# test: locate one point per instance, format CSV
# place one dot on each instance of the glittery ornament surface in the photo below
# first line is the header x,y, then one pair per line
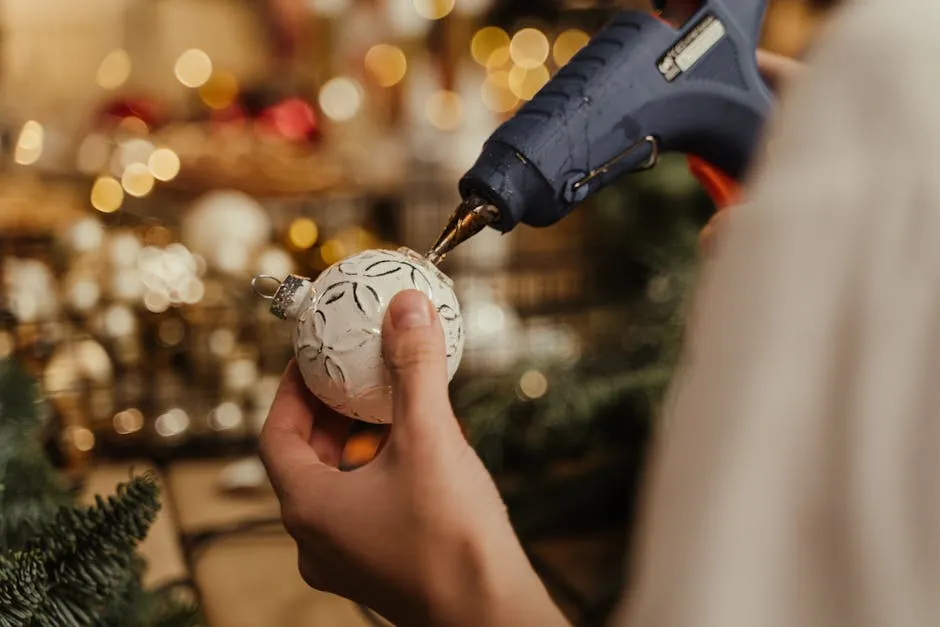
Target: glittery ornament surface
x,y
338,334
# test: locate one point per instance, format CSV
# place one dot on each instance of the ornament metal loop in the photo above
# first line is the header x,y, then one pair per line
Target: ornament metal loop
x,y
265,277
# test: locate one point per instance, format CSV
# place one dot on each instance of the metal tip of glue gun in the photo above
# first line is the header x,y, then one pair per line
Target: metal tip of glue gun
x,y
472,216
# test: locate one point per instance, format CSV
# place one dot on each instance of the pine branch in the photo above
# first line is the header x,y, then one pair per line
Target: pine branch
x,y
17,398
22,587
88,553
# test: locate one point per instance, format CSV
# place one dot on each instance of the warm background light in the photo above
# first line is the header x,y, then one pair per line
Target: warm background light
x,y
333,251
164,164
488,42
434,9
303,233
114,70
445,110
193,68
340,99
93,154
526,83
137,180
387,64
29,144
107,195
568,44
219,91
533,385
529,48
497,96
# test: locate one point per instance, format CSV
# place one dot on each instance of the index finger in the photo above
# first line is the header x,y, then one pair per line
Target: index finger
x,y
284,443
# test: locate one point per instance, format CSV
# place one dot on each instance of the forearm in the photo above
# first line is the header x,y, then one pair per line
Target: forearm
x,y
504,591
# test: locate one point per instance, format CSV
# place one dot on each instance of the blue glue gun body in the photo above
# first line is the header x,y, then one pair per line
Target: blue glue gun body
x,y
641,87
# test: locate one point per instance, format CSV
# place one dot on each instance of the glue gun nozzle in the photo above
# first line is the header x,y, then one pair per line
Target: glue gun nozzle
x,y
472,216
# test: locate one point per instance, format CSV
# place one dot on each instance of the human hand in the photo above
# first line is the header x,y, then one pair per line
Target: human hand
x,y
420,534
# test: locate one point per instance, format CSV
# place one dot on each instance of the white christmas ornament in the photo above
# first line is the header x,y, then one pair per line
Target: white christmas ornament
x,y
338,326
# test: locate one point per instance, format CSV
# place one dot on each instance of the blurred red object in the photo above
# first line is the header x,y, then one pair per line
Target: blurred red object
x,y
293,119
144,109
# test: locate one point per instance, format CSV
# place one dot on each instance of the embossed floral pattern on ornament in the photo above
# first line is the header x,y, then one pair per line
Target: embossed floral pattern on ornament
x,y
351,291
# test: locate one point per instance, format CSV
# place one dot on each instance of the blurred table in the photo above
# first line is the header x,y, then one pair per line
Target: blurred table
x,y
251,578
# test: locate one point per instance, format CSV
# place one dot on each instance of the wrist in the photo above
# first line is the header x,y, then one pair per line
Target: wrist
x,y
495,587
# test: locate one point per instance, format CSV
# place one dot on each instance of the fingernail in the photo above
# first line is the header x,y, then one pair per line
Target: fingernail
x,y
410,310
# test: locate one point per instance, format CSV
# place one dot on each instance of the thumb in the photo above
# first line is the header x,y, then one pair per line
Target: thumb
x,y
413,344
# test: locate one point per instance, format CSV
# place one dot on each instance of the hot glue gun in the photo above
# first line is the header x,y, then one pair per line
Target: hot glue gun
x,y
640,88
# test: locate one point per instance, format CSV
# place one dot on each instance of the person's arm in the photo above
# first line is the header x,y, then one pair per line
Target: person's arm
x,y
794,477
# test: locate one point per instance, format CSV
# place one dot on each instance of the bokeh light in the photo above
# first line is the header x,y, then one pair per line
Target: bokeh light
x,y
81,438
226,416
497,96
133,151
114,70
137,180
193,68
387,64
329,8
29,144
164,164
171,424
533,385
526,83
93,154
219,91
434,9
303,233
529,48
333,251
340,99
487,42
128,421
107,195
445,110
568,44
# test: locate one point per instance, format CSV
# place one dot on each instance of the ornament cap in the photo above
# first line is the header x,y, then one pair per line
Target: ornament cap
x,y
285,299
